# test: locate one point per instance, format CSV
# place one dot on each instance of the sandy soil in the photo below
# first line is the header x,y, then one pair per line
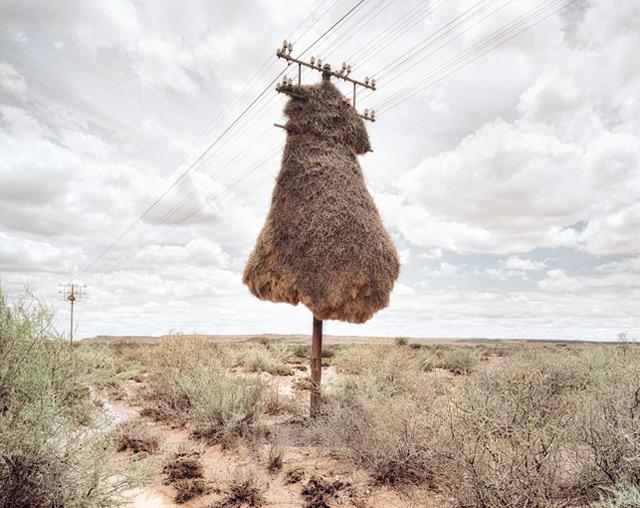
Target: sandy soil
x,y
218,463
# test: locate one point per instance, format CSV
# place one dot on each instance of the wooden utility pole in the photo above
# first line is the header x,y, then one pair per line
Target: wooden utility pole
x,y
286,87
71,293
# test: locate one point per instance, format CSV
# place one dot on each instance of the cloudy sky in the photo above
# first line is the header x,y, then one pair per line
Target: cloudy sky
x,y
505,163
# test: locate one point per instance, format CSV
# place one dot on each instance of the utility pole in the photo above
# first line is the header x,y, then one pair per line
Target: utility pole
x,y
286,87
71,293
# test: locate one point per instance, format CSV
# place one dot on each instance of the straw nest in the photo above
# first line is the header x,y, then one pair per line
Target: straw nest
x,y
323,243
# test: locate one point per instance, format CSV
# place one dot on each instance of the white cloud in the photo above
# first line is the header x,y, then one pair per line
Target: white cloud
x,y
558,280
517,263
99,103
11,81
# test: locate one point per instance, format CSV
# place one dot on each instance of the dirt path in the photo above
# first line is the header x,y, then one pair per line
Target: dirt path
x,y
279,489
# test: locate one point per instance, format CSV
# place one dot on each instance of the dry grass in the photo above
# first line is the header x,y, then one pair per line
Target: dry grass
x,y
190,381
318,491
542,428
135,435
243,487
261,358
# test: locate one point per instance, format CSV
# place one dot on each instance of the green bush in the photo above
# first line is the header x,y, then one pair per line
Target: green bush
x,y
189,380
459,360
52,453
263,359
382,421
401,341
620,496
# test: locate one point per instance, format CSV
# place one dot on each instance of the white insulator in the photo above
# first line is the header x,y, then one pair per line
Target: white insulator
x,y
366,112
290,47
284,44
366,80
344,65
312,60
373,82
319,62
373,114
348,69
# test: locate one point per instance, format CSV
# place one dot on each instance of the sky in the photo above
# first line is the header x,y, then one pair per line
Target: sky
x,y
138,155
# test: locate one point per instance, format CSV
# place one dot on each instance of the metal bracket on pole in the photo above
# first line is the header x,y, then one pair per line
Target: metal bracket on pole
x,y
317,65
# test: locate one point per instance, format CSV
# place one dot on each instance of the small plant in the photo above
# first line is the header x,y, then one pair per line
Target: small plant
x,y
276,454
293,474
264,342
401,341
262,359
459,360
243,488
620,496
134,435
190,488
183,465
318,491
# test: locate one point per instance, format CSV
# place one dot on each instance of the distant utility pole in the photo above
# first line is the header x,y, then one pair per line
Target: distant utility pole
x,y
72,293
286,87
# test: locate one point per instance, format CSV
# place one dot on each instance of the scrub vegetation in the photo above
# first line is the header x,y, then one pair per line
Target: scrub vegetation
x,y
457,424
53,445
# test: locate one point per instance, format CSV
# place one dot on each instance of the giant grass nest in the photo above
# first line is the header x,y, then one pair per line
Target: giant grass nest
x,y
323,242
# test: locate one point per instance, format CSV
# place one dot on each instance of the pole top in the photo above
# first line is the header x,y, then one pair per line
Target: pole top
x,y
326,72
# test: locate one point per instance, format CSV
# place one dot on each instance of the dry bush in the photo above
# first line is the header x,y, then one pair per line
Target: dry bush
x,y
170,363
458,360
274,403
293,474
134,435
183,465
243,487
106,369
608,425
318,491
264,359
222,406
53,451
620,496
505,434
188,489
189,380
354,360
382,421
401,341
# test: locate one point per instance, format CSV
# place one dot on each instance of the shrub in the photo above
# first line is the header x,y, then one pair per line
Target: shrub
x,y
608,425
620,496
505,434
188,489
382,422
52,450
222,406
183,465
106,369
262,359
401,341
459,360
189,381
318,491
243,488
135,436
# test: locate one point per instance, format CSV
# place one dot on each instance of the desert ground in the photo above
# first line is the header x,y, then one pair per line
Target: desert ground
x,y
213,421
381,441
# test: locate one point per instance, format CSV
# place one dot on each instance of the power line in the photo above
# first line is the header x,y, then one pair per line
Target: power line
x,y
214,143
437,78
